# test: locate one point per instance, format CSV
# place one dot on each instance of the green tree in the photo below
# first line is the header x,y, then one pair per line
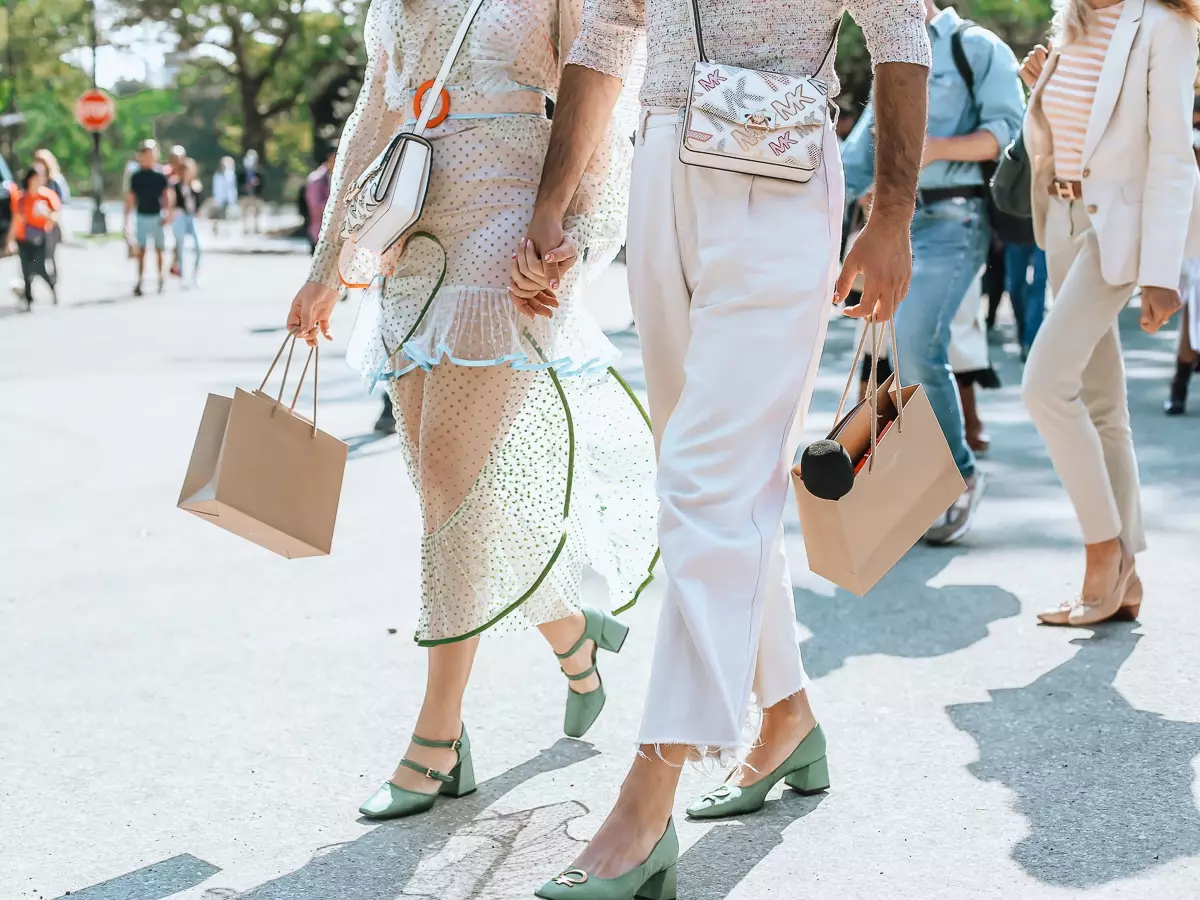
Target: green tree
x,y
275,53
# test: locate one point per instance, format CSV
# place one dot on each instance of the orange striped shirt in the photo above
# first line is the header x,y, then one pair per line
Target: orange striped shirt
x,y
1068,95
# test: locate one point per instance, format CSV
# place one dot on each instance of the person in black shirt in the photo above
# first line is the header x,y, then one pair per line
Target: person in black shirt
x,y
150,194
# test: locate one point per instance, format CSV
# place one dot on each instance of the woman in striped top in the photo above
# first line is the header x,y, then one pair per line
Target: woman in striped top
x,y
1116,206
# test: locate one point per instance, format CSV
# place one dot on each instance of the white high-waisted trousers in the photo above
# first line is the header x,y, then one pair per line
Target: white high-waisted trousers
x,y
731,280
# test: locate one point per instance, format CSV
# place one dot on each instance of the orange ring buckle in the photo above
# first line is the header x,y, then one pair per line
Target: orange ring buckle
x,y
443,98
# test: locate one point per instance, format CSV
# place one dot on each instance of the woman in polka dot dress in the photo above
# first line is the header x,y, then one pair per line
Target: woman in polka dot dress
x,y
532,459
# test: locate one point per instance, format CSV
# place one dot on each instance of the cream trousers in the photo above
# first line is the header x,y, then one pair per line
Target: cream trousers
x,y
1074,383
731,280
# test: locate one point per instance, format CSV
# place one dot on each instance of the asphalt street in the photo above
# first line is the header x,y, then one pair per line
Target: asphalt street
x,y
185,715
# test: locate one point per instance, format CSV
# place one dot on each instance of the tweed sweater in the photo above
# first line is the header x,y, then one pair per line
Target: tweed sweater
x,y
786,36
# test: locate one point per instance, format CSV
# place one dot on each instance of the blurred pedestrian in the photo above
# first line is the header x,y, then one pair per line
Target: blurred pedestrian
x,y
316,195
992,284
175,161
148,203
1187,356
46,163
35,210
1115,194
970,360
189,192
250,186
1025,280
969,123
224,192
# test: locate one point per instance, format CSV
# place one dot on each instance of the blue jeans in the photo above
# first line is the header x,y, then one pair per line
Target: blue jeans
x,y
184,226
1028,297
950,241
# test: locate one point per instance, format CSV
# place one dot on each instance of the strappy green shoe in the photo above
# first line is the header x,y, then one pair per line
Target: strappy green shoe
x,y
583,709
391,802
805,771
652,880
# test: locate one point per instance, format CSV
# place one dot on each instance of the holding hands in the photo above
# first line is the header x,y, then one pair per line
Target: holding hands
x,y
538,265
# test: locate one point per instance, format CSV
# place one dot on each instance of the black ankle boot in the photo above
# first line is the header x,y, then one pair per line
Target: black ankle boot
x,y
1177,403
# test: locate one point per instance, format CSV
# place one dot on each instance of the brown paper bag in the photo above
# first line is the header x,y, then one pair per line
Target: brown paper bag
x,y
260,470
907,482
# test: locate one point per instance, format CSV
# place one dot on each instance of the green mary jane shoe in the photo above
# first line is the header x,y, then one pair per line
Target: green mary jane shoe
x,y
652,880
609,634
391,802
805,771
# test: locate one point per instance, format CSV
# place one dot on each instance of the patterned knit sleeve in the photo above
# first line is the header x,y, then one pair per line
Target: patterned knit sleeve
x,y
596,216
894,29
609,36
367,131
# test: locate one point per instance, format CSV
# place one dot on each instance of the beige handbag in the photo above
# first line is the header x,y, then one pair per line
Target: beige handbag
x,y
756,123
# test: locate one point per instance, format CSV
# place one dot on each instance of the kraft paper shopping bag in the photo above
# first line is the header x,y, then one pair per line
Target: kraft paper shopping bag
x,y
905,478
264,472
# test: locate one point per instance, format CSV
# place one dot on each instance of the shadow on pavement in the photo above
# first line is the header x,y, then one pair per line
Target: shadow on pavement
x,y
457,851
716,864
903,616
1107,788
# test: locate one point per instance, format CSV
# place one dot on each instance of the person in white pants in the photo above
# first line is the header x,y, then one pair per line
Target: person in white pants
x,y
731,278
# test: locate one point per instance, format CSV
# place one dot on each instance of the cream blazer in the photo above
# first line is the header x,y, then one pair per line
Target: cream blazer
x,y
1140,180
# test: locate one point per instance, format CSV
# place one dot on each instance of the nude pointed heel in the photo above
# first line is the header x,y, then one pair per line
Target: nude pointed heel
x,y
661,887
1131,604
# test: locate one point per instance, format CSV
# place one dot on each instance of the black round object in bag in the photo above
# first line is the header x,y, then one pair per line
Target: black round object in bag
x,y
826,470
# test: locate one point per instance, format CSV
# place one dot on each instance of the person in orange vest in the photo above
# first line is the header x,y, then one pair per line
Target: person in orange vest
x,y
35,212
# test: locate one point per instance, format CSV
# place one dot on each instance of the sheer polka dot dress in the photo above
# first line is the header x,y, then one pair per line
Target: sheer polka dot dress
x,y
531,457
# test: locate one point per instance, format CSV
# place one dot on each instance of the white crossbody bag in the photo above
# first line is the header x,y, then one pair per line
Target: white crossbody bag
x,y
388,197
756,123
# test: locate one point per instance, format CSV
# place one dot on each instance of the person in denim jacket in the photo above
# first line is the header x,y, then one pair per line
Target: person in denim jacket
x,y
950,230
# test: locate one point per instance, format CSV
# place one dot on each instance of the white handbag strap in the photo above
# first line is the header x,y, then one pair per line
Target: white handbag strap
x,y
434,95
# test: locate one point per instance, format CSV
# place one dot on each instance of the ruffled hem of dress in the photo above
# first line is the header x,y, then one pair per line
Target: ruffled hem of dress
x,y
474,326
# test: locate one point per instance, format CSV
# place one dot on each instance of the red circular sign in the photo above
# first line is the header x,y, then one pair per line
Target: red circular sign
x,y
95,110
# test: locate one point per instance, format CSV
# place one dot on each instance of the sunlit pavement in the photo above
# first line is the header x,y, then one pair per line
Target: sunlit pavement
x,y
184,715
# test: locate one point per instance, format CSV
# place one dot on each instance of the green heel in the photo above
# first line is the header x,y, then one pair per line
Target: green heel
x,y
660,887
609,634
811,779
392,802
806,771
652,880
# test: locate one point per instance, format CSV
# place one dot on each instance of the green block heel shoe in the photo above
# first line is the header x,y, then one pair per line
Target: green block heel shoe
x,y
391,802
652,880
608,633
806,771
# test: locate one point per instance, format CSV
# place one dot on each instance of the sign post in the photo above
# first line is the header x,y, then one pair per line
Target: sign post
x,y
95,111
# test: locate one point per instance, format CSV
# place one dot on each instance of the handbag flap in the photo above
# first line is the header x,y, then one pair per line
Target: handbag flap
x,y
772,118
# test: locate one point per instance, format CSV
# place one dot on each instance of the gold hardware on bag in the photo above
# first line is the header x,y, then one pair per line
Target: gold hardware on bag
x,y
758,121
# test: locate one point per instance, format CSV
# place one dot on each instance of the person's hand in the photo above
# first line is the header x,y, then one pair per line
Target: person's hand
x,y
932,150
1034,62
11,248
883,254
310,312
543,257
1158,305
865,199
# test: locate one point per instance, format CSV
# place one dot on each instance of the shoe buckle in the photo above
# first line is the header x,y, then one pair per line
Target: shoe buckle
x,y
572,877
431,774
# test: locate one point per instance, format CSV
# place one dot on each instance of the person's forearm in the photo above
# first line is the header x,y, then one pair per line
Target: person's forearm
x,y
901,91
585,105
978,146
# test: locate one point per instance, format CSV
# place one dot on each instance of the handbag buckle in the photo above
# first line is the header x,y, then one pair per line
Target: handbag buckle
x,y
758,121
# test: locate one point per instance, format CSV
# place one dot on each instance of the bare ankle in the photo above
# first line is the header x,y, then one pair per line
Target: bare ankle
x,y
790,710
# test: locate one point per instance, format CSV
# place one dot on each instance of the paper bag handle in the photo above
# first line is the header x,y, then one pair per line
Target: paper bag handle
x,y
873,383
314,357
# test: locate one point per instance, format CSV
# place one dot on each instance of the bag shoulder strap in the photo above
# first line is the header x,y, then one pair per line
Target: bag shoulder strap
x,y
434,94
960,57
695,6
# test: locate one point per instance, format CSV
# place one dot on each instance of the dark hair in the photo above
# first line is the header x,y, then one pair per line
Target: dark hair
x,y
29,176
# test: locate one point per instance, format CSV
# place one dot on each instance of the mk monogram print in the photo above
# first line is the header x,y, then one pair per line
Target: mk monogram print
x,y
768,120
784,143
